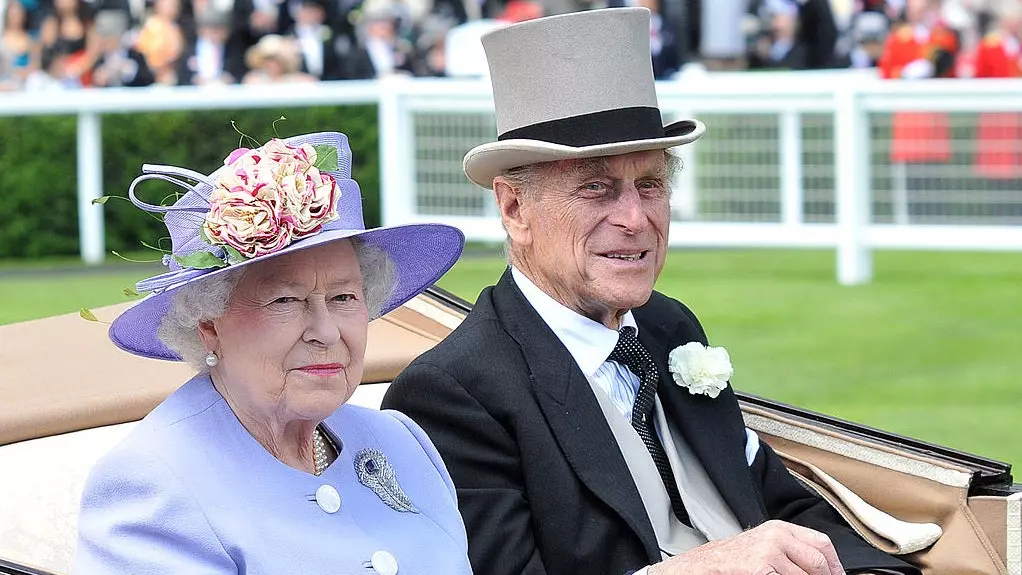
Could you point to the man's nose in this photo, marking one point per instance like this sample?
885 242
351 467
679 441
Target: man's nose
629 212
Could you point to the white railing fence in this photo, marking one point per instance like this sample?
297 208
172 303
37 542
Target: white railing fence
789 160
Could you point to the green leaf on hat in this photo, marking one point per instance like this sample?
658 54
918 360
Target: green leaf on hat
234 256
202 234
134 261
154 248
200 260
280 119
87 314
326 157
104 199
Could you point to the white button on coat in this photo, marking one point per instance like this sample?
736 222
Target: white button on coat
384 563
328 499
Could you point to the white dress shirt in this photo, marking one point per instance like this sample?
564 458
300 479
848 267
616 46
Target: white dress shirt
381 54
310 38
209 60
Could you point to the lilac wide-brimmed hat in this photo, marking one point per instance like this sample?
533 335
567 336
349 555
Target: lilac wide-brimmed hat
286 196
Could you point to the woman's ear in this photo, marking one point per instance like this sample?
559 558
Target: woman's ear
208 335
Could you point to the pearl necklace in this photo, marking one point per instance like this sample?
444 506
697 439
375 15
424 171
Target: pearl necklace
322 454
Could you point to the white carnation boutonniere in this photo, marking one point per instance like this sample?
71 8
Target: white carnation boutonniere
700 368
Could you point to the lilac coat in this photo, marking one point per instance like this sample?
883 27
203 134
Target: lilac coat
191 491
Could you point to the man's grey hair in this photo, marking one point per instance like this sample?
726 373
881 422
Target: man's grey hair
209 299
527 178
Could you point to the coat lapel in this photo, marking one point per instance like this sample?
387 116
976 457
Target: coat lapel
699 418
572 411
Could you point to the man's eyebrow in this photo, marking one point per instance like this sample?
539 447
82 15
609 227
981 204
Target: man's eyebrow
583 169
660 171
587 168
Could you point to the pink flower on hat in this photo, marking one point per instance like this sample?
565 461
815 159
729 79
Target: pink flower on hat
268 197
311 199
248 221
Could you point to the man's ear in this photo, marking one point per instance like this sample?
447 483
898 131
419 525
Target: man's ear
513 214
208 335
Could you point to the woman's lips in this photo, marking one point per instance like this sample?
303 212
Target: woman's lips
323 369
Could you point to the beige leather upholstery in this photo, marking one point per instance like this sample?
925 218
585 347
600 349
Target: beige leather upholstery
908 486
39 502
1001 518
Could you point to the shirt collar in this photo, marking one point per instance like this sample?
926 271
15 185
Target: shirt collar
589 342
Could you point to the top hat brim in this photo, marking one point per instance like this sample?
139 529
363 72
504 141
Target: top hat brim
487 161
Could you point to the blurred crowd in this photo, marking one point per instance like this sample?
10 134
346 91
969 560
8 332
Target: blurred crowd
58 44
48 44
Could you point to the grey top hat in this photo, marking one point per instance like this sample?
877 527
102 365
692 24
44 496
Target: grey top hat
572 86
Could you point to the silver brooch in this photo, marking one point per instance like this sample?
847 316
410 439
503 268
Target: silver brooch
375 472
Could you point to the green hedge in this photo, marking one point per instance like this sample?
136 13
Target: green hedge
38 168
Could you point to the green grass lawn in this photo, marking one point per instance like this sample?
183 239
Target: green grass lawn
932 348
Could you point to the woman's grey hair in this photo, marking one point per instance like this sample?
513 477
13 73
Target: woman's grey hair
209 299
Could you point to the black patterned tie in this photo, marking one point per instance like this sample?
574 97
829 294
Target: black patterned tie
630 353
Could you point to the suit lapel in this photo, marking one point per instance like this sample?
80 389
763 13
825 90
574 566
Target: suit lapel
698 418
572 411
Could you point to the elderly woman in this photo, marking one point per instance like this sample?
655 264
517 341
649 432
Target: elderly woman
256 465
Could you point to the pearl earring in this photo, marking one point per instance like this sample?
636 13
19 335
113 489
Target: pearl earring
212 359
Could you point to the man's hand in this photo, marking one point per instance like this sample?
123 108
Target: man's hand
773 548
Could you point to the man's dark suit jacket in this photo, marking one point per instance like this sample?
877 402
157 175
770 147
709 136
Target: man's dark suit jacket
541 482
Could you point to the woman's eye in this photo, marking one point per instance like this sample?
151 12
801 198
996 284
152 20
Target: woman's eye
285 299
344 297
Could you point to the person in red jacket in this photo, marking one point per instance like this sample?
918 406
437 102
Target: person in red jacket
999 134
922 46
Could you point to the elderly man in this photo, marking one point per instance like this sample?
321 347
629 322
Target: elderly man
554 403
